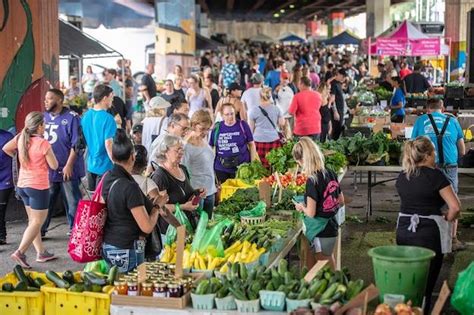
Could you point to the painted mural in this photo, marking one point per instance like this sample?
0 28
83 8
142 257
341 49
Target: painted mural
29 64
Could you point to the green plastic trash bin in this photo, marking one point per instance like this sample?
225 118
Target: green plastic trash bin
401 270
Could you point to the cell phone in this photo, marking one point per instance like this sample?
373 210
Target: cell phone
195 200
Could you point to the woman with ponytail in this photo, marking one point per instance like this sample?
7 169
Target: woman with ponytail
131 215
322 199
197 96
35 155
424 191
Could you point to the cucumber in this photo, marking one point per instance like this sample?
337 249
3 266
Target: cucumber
112 276
282 267
314 287
329 292
38 282
303 294
20 274
238 294
7 287
288 277
32 289
202 287
57 280
21 286
323 286
30 282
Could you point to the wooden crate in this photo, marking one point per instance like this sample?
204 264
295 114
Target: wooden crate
173 303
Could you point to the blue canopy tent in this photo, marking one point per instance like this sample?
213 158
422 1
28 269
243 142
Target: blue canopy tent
345 38
292 38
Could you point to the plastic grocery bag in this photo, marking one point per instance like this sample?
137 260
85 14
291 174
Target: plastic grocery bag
200 231
258 211
212 241
183 219
462 298
98 266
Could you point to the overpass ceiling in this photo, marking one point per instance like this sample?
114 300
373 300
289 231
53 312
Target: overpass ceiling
287 10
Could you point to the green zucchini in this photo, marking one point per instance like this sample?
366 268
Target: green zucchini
56 279
32 289
38 282
329 292
92 278
77 287
68 276
7 287
21 286
20 274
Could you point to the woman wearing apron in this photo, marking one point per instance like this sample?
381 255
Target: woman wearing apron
323 198
424 191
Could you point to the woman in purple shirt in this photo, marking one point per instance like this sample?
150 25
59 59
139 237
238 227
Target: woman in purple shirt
6 183
234 144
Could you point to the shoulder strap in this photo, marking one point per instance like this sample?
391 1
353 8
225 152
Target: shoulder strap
112 186
160 125
439 137
242 129
265 113
216 133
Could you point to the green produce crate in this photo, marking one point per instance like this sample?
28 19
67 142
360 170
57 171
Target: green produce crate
401 270
226 304
203 301
292 305
272 300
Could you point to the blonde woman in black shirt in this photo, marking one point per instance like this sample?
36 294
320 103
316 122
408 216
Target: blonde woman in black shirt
424 191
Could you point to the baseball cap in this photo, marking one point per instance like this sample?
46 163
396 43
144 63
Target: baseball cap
137 128
256 78
158 102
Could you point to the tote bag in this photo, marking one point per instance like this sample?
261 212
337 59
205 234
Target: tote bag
85 243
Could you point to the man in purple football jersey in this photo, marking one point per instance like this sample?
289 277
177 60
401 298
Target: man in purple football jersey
63 133
6 183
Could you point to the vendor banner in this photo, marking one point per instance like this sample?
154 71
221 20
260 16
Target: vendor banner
408 47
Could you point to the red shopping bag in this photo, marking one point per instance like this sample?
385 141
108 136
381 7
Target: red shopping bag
85 243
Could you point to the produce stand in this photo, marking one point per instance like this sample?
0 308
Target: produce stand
372 170
127 310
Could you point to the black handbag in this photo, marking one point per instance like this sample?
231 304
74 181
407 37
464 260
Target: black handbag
230 161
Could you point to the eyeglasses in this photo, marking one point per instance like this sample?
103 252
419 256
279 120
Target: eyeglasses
183 127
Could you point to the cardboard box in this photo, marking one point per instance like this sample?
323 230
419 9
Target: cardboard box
173 303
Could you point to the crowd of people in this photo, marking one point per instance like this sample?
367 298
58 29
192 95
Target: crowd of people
198 128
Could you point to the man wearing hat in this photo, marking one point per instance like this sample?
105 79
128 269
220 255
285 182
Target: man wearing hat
251 97
155 121
137 131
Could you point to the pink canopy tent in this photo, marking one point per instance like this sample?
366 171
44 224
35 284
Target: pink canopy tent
407 40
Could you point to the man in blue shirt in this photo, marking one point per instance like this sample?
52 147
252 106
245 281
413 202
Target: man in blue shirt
398 101
273 76
62 130
452 145
99 129
6 183
230 72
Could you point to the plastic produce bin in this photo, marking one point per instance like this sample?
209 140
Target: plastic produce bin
401 270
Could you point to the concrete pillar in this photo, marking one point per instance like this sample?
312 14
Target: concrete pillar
378 16
456 29
29 41
175 36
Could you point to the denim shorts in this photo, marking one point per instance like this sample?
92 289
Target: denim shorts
34 198
125 259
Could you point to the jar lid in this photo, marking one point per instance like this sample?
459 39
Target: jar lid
132 284
159 285
119 283
147 284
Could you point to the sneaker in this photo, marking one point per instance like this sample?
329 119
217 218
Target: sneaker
20 259
458 245
45 256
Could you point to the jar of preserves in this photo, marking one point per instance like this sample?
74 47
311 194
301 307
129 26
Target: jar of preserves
160 290
121 288
146 289
174 290
132 288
